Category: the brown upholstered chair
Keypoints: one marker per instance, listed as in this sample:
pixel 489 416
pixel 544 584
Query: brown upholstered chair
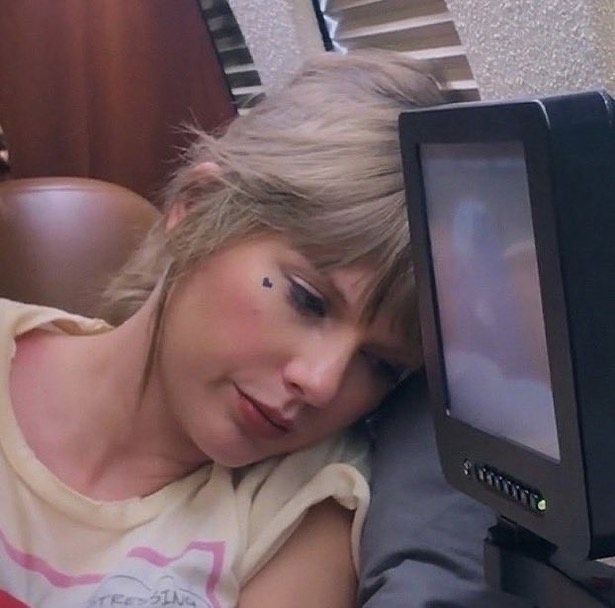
pixel 61 238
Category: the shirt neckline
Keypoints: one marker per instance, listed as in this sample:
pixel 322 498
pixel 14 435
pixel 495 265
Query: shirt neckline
pixel 118 515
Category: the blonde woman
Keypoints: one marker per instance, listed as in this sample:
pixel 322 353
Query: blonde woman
pixel 197 453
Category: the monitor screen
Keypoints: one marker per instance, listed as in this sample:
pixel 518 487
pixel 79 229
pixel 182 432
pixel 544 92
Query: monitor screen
pixel 486 281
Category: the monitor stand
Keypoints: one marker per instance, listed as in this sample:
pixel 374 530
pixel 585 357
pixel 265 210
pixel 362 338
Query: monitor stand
pixel 523 564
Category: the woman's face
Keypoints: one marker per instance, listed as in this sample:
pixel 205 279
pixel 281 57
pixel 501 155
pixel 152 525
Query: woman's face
pixel 262 354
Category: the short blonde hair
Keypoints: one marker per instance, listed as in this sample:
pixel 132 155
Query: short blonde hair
pixel 318 162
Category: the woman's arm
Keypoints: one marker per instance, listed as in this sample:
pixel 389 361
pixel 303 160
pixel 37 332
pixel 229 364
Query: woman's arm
pixel 312 569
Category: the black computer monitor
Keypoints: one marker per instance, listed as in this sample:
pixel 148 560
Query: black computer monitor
pixel 512 217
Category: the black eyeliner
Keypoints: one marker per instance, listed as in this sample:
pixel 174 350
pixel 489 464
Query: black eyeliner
pixel 305 301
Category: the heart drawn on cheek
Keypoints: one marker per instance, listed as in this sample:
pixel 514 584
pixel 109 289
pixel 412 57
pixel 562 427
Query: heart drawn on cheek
pixel 267 283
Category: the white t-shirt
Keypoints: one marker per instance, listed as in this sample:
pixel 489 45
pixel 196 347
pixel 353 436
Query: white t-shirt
pixel 195 542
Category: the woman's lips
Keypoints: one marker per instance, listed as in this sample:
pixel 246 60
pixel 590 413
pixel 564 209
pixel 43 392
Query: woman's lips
pixel 263 418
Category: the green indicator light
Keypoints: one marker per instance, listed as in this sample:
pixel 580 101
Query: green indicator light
pixel 542 505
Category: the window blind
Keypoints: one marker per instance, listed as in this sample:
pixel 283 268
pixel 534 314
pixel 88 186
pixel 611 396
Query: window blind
pixel 423 29
pixel 235 58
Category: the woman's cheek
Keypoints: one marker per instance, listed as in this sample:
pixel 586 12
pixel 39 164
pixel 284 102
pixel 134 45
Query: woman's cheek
pixel 252 316
pixel 365 391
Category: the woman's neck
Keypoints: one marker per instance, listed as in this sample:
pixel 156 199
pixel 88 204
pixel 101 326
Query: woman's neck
pixel 78 402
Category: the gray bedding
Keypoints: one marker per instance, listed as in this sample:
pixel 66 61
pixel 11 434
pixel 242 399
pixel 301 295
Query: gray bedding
pixel 423 541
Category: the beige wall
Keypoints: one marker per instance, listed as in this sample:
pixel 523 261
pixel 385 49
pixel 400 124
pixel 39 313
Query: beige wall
pixel 537 47
pixel 515 47
pixel 280 35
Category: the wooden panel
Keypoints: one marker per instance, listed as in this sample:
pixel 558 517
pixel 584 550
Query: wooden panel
pixel 155 69
pixel 99 88
pixel 43 101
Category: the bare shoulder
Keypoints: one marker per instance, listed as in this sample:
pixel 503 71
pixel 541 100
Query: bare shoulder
pixel 31 382
pixel 315 564
pixel 33 345
pixel 29 361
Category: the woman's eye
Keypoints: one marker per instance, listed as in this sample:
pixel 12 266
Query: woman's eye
pixel 305 301
pixel 389 371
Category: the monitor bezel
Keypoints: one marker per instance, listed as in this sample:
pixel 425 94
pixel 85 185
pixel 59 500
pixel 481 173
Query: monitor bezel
pixel 566 521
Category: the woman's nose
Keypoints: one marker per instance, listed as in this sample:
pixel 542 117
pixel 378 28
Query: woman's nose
pixel 317 372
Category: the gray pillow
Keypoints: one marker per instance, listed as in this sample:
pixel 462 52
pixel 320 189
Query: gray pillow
pixel 422 544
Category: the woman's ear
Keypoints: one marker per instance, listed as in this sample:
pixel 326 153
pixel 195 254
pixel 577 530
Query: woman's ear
pixel 176 214
pixel 206 170
pixel 203 172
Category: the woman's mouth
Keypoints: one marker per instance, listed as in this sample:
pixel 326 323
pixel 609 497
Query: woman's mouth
pixel 261 418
